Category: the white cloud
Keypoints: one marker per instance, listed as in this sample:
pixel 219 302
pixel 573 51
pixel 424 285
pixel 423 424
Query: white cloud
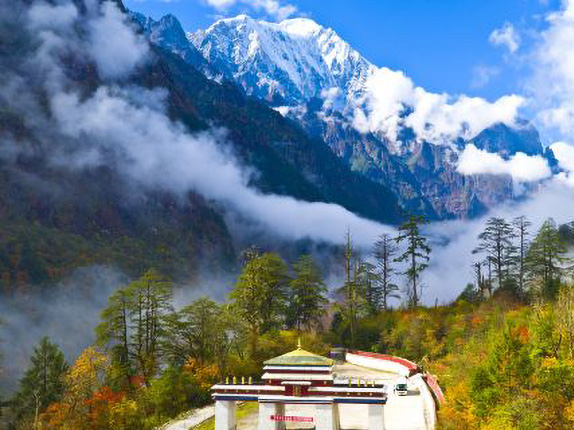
pixel 521 167
pixel 506 36
pixel 482 75
pixel 552 82
pixel 272 8
pixel 156 152
pixel 129 128
pixel 564 153
pixel 43 16
pixel 221 4
pixel 113 44
pixel 451 264
pixel 392 102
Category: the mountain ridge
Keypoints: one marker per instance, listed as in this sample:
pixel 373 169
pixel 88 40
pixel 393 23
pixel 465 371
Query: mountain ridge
pixel 329 87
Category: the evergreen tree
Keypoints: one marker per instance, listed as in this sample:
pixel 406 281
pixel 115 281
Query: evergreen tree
pixel 260 294
pixel 416 255
pixel 545 259
pixel 249 254
pixel 43 383
pixel 113 332
pixel 384 252
pixel 150 302
pixel 470 294
pixel 307 294
pixel 496 243
pixel 203 331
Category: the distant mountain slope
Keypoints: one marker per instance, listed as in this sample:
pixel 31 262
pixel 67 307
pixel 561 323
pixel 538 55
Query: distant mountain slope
pixel 55 217
pixel 289 162
pixel 311 75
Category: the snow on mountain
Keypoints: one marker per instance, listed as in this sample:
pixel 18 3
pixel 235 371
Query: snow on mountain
pixel 375 119
pixel 287 63
pixel 297 60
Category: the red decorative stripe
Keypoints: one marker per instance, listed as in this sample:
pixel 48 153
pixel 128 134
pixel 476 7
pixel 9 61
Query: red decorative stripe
pixel 412 367
pixel 435 387
pixel 288 418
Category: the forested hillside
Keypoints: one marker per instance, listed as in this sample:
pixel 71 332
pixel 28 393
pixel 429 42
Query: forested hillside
pixel 503 354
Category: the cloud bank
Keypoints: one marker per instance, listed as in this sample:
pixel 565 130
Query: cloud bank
pixel 275 9
pixel 128 127
pixel 521 167
pixel 552 82
pixel 564 153
pixel 392 102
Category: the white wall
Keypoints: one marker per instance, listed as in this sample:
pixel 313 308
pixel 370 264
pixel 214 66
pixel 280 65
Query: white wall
pixel 378 364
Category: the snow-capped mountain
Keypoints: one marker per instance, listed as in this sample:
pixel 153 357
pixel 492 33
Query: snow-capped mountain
pixel 287 63
pixel 375 119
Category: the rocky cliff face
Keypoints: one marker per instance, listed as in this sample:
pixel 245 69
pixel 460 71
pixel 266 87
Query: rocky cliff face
pixel 312 76
pixel 67 195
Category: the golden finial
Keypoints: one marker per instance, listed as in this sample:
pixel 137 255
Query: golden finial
pixel 243 380
pixel 227 380
pixel 299 342
pixel 234 380
pixel 250 380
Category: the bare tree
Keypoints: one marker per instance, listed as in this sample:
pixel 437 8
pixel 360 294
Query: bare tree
pixel 384 252
pixel 521 225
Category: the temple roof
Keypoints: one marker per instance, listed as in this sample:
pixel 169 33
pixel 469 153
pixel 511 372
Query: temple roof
pixel 299 357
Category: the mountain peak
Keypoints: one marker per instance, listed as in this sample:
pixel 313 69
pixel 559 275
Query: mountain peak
pixel 288 63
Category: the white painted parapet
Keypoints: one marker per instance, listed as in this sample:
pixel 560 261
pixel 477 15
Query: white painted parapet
pixel 376 417
pixel 378 364
pixel 327 416
pixel 266 412
pixel 428 400
pixel 225 415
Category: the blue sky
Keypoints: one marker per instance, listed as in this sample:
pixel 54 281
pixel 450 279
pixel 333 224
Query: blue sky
pixel 441 44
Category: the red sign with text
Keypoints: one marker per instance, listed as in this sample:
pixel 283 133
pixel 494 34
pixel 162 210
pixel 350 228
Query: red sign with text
pixel 291 418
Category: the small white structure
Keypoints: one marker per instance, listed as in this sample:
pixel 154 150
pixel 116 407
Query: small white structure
pixel 299 377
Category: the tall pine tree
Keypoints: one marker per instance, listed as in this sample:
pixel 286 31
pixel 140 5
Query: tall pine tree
pixel 545 260
pixel 353 305
pixel 496 243
pixel 416 255
pixel 43 383
pixel 260 294
pixel 307 294
pixel 150 302
pixel 113 334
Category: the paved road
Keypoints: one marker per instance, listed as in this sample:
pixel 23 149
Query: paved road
pixel 401 412
pixel 190 420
